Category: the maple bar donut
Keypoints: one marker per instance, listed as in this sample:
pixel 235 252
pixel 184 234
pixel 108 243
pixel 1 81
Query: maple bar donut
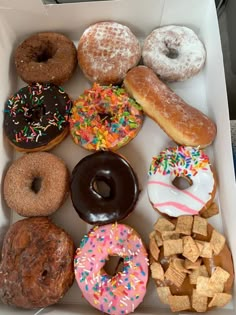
pixel 175 53
pixel 46 58
pixel 36 184
pixel 191 264
pixel 105 118
pixel 123 292
pixel 36 118
pixel 36 268
pixel 104 188
pixel 106 51
pixel 189 163
pixel 183 123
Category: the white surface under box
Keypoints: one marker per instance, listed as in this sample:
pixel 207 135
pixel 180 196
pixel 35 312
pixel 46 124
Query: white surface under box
pixel 206 91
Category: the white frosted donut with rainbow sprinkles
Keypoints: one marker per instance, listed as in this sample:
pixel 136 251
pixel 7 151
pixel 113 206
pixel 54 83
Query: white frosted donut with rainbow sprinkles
pixel 123 292
pixel 186 162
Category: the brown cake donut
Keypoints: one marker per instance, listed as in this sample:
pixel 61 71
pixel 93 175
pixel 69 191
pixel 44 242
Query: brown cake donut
pixel 36 184
pixel 46 58
pixel 37 264
pixel 106 51
pixel 191 264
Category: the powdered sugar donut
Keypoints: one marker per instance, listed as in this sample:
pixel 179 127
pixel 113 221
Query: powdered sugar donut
pixel 106 51
pixel 186 162
pixel 175 53
pixel 123 292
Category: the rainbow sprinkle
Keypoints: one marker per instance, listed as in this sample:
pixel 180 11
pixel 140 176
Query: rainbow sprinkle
pixel 105 117
pixel 181 161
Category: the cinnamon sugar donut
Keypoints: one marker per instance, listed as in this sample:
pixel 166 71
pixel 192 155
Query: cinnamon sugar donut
pixel 175 53
pixel 106 51
pixel 36 184
pixel 191 264
pixel 36 268
pixel 46 58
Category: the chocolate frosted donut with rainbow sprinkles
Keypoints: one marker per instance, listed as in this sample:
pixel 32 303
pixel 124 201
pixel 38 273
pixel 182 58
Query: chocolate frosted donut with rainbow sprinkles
pixel 36 118
pixel 105 118
pixel 181 182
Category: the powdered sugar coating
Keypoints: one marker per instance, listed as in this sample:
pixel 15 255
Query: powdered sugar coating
pixel 106 51
pixel 175 53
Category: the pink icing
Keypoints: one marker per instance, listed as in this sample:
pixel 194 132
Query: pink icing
pixel 176 205
pixel 155 182
pixel 119 294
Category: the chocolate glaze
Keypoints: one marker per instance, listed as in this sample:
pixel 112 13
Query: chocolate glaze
pixel 112 169
pixel 36 114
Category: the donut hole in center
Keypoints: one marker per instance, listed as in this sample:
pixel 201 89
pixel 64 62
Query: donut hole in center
pixel 36 113
pixel 102 187
pixel 44 274
pixel 105 117
pixel 113 265
pixel 182 182
pixel 36 184
pixel 44 55
pixel 172 53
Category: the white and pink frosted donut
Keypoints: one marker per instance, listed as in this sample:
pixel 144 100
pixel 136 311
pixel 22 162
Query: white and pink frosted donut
pixel 119 294
pixel 186 162
pixel 175 53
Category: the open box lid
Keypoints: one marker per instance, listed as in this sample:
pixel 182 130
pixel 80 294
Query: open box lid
pixel 18 21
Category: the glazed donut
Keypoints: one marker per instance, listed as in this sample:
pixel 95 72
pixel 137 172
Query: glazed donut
pixel 173 163
pixel 183 123
pixel 191 264
pixel 36 184
pixel 108 190
pixel 36 269
pixel 105 118
pixel 106 51
pixel 173 52
pixel 36 118
pixel 46 58
pixel 123 292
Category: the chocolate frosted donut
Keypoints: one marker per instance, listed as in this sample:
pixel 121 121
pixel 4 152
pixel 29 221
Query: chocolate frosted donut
pixel 36 269
pixel 36 117
pixel 104 188
pixel 46 57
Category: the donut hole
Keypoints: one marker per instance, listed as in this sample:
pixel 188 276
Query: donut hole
pixel 113 265
pixel 36 184
pixel 182 182
pixel 36 113
pixel 105 117
pixel 102 187
pixel 45 54
pixel 44 274
pixel 172 53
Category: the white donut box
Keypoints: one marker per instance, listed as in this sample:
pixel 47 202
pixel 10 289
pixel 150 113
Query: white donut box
pixel 206 91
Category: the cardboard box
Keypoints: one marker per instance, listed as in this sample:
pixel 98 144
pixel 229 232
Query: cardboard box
pixel 206 91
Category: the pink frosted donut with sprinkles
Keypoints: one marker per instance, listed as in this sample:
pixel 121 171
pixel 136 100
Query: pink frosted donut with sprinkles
pixel 123 292
pixel 166 192
pixel 105 118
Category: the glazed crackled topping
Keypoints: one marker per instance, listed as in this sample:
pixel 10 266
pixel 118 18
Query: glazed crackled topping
pixel 186 162
pixel 36 114
pixel 121 293
pixel 104 117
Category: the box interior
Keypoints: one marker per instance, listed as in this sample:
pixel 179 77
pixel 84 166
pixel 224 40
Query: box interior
pixel 205 91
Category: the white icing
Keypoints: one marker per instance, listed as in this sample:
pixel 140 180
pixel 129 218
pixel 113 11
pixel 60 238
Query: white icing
pixel 168 199
pixel 191 52
pixel 106 48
